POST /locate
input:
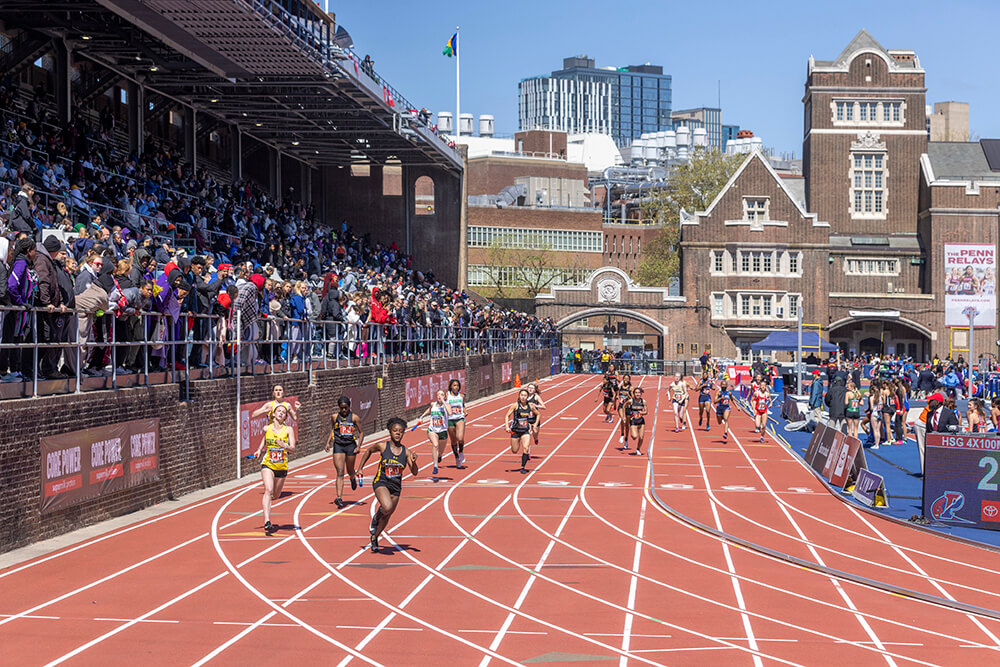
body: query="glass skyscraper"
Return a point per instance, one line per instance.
(640, 98)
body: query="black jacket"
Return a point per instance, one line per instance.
(21, 220)
(836, 400)
(946, 420)
(925, 381)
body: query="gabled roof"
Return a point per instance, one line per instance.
(957, 161)
(863, 42)
(757, 155)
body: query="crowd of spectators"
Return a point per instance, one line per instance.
(90, 253)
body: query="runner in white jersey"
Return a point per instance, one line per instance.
(437, 429)
(456, 421)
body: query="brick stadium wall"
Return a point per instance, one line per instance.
(198, 437)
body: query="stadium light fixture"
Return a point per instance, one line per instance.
(154, 68)
(295, 143)
(213, 100)
(85, 37)
(258, 124)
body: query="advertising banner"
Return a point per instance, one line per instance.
(82, 465)
(556, 367)
(961, 479)
(524, 371)
(867, 486)
(844, 460)
(485, 376)
(364, 403)
(252, 428)
(506, 374)
(970, 280)
(420, 390)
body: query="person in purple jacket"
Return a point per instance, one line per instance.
(21, 285)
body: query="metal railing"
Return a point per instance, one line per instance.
(635, 366)
(146, 348)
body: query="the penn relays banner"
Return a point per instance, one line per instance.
(970, 279)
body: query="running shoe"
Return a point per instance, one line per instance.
(373, 526)
(461, 459)
(374, 544)
(436, 467)
(339, 502)
(708, 428)
(524, 471)
(762, 438)
(874, 447)
(725, 437)
(621, 440)
(268, 528)
(354, 484)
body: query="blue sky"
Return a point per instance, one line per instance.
(759, 51)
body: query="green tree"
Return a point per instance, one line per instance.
(526, 265)
(692, 187)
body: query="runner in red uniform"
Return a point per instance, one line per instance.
(760, 397)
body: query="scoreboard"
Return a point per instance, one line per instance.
(962, 479)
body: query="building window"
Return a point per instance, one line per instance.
(767, 306)
(767, 262)
(708, 348)
(867, 178)
(717, 261)
(717, 305)
(694, 348)
(534, 239)
(849, 111)
(755, 306)
(840, 110)
(745, 262)
(680, 349)
(871, 267)
(793, 306)
(744, 305)
(755, 208)
(755, 258)
(793, 262)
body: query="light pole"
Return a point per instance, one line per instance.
(798, 350)
(971, 312)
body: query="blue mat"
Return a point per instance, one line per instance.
(899, 466)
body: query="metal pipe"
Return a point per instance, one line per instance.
(239, 416)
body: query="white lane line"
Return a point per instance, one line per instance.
(399, 610)
(335, 570)
(215, 539)
(633, 584)
(505, 626)
(865, 625)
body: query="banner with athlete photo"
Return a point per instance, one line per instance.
(506, 372)
(970, 280)
(82, 465)
(252, 428)
(420, 390)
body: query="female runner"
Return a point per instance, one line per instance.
(345, 436)
(278, 440)
(277, 398)
(759, 399)
(387, 484)
(853, 408)
(535, 398)
(624, 395)
(705, 400)
(723, 402)
(519, 424)
(456, 421)
(636, 419)
(679, 392)
(608, 395)
(437, 429)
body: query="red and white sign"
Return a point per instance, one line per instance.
(739, 374)
(990, 510)
(420, 390)
(970, 279)
(506, 373)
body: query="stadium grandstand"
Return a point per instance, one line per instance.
(197, 184)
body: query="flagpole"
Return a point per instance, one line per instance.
(457, 89)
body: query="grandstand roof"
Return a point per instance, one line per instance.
(272, 69)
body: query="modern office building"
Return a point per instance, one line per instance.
(640, 98)
(709, 118)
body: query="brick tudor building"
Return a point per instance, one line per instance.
(860, 238)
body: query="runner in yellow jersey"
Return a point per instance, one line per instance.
(277, 398)
(278, 440)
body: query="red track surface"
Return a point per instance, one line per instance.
(575, 561)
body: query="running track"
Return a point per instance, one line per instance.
(587, 558)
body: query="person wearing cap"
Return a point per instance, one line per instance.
(816, 396)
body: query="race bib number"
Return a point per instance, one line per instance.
(437, 422)
(276, 455)
(347, 429)
(522, 422)
(393, 470)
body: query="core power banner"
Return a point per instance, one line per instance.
(970, 280)
(420, 390)
(82, 465)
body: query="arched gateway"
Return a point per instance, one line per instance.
(609, 309)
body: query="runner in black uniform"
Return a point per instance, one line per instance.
(608, 394)
(705, 400)
(345, 436)
(387, 484)
(624, 396)
(637, 419)
(519, 424)
(535, 398)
